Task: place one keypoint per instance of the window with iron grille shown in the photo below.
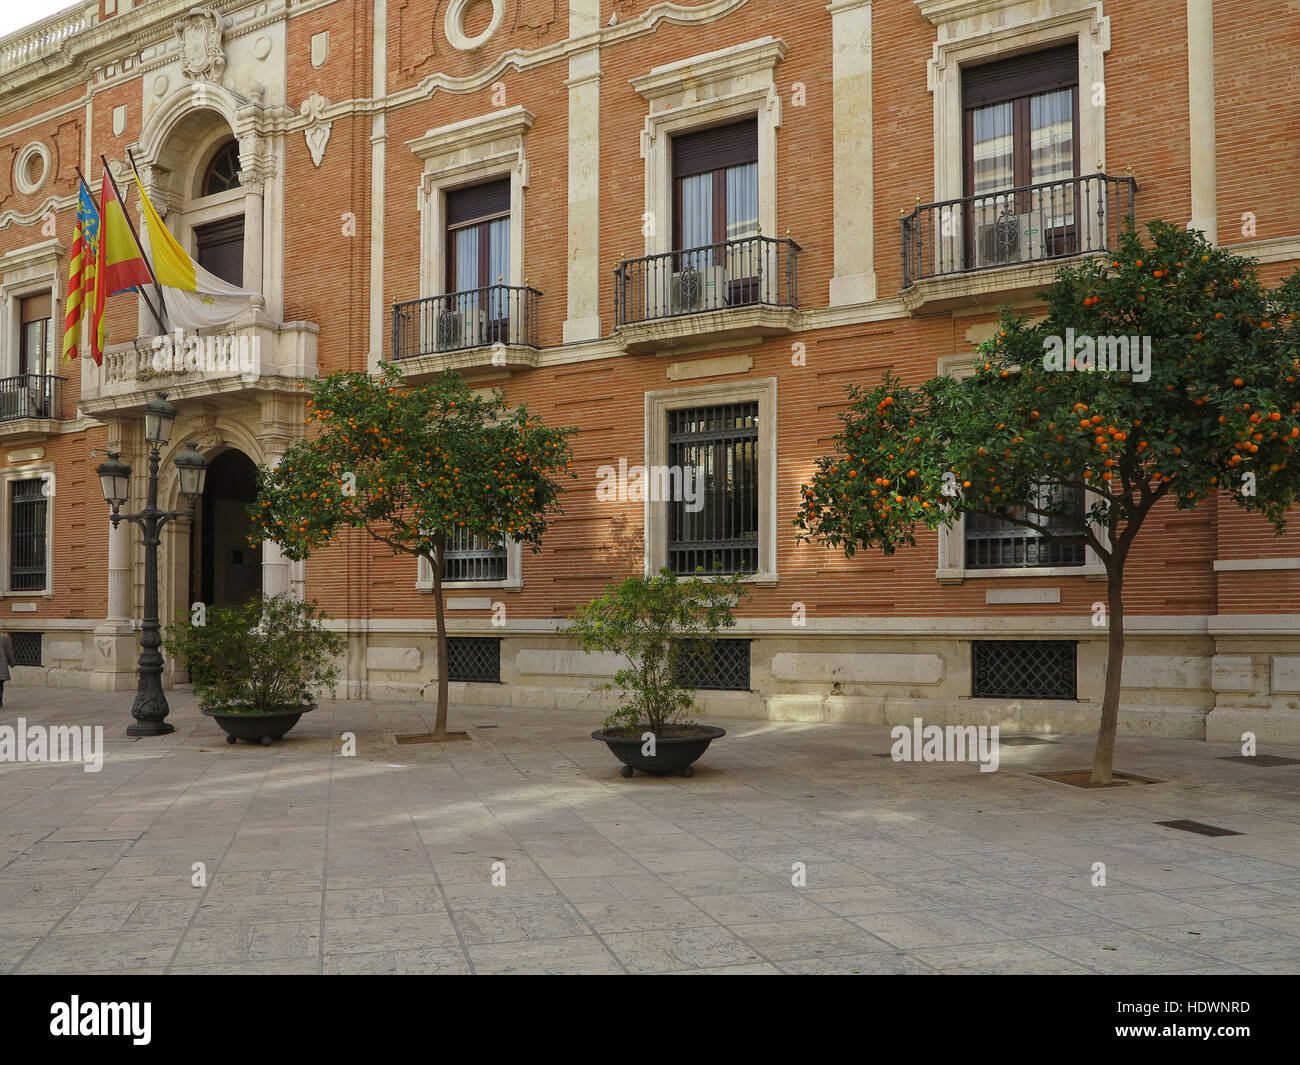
(469, 558)
(713, 519)
(474, 658)
(1024, 669)
(27, 648)
(27, 535)
(717, 665)
(994, 543)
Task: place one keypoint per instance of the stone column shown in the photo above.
(114, 638)
(1200, 112)
(854, 194)
(582, 319)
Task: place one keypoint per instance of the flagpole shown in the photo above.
(140, 247)
(162, 301)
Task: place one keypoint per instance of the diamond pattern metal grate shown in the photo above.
(718, 665)
(474, 658)
(1024, 669)
(27, 648)
(1261, 761)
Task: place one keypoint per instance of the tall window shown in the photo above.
(35, 353)
(715, 197)
(713, 477)
(220, 244)
(27, 536)
(994, 543)
(1021, 129)
(478, 257)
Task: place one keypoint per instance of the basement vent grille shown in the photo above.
(474, 658)
(1023, 669)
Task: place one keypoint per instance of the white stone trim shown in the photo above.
(701, 91)
(853, 179)
(29, 271)
(657, 406)
(31, 188)
(453, 25)
(1237, 565)
(973, 30)
(513, 582)
(467, 153)
(29, 471)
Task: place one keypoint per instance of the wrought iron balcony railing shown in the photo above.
(1050, 220)
(29, 395)
(473, 318)
(714, 277)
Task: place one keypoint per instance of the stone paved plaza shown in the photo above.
(382, 862)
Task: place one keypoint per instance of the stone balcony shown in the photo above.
(253, 354)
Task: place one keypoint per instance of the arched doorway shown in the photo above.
(225, 568)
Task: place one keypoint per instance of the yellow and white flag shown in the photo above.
(194, 298)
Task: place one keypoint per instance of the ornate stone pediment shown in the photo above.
(200, 34)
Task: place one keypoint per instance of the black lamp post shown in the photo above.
(150, 707)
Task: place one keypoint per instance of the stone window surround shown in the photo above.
(29, 271)
(971, 30)
(27, 471)
(469, 153)
(701, 91)
(951, 567)
(514, 574)
(657, 405)
(36, 149)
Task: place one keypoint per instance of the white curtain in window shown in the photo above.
(1051, 148)
(993, 150)
(697, 217)
(466, 252)
(499, 265)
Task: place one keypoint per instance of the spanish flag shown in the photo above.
(81, 269)
(193, 298)
(120, 264)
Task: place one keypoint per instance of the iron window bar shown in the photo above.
(471, 318)
(1031, 223)
(730, 273)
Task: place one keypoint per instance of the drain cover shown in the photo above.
(1199, 828)
(1263, 760)
(487, 726)
(1023, 741)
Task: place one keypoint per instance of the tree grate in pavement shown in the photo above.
(1265, 761)
(1198, 827)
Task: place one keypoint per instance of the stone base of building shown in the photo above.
(1183, 684)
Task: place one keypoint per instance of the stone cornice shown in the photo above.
(751, 57)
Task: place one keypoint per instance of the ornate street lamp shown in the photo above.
(150, 707)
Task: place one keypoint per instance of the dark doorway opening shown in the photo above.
(225, 568)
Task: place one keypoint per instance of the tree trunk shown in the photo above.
(439, 555)
(1104, 759)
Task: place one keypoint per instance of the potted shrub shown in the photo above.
(257, 667)
(655, 622)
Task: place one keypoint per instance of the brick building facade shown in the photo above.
(684, 228)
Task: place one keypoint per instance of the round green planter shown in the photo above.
(258, 728)
(673, 754)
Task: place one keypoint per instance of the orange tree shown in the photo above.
(413, 467)
(1056, 432)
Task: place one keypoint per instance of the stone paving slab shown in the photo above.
(187, 855)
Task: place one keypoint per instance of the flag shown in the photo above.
(120, 264)
(81, 269)
(193, 298)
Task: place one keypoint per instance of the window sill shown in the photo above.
(469, 586)
(957, 576)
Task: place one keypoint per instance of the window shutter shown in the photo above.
(221, 249)
(1021, 75)
(478, 201)
(713, 149)
(35, 308)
